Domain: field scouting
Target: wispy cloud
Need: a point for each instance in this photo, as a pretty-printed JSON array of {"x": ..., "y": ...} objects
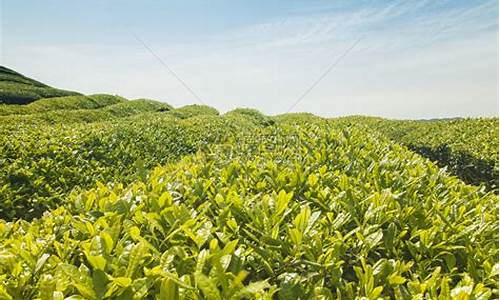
[{"x": 412, "y": 23}]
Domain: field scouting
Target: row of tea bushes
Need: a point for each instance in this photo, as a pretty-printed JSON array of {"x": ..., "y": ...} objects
[
  {"x": 467, "y": 147},
  {"x": 299, "y": 210}
]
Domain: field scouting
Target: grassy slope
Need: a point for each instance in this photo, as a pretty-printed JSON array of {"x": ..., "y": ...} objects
[{"x": 19, "y": 89}]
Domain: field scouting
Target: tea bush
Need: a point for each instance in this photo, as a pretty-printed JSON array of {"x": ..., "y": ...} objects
[
  {"x": 41, "y": 163},
  {"x": 467, "y": 147},
  {"x": 104, "y": 198},
  {"x": 61, "y": 104},
  {"x": 299, "y": 210},
  {"x": 109, "y": 112}
]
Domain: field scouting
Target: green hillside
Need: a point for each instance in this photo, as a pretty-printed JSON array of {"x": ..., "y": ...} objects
[
  {"x": 107, "y": 198},
  {"x": 16, "y": 88}
]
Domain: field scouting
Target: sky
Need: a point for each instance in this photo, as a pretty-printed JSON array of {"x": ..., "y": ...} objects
[{"x": 405, "y": 59}]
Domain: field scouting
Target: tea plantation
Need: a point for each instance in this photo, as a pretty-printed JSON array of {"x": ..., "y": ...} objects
[
  {"x": 107, "y": 198},
  {"x": 467, "y": 147}
]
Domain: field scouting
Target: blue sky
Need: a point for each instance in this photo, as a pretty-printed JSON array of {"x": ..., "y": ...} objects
[{"x": 415, "y": 59}]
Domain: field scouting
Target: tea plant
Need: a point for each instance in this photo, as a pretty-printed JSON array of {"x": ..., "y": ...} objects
[
  {"x": 41, "y": 164},
  {"x": 104, "y": 198},
  {"x": 467, "y": 147},
  {"x": 61, "y": 104},
  {"x": 67, "y": 115},
  {"x": 298, "y": 210}
]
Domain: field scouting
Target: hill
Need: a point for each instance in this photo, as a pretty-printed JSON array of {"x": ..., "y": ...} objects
[
  {"x": 197, "y": 205},
  {"x": 106, "y": 198},
  {"x": 16, "y": 88}
]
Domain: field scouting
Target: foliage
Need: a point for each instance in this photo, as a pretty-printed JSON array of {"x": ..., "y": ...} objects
[
  {"x": 18, "y": 89},
  {"x": 67, "y": 115},
  {"x": 41, "y": 164},
  {"x": 104, "y": 198},
  {"x": 61, "y": 104},
  {"x": 7, "y": 74},
  {"x": 309, "y": 210},
  {"x": 299, "y": 118},
  {"x": 166, "y": 107},
  {"x": 467, "y": 147},
  {"x": 192, "y": 110},
  {"x": 256, "y": 116}
]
